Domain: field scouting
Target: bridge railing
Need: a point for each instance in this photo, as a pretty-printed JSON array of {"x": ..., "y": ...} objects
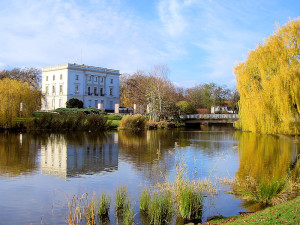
[{"x": 210, "y": 116}]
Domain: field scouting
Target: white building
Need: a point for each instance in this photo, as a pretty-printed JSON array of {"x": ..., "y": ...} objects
[{"x": 90, "y": 84}]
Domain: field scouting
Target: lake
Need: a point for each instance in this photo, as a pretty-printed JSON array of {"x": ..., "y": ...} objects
[{"x": 40, "y": 172}]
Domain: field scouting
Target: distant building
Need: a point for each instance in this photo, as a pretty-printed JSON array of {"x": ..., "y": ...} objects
[{"x": 90, "y": 84}]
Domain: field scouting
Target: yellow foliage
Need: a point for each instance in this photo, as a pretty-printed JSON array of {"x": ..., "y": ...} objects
[
  {"x": 263, "y": 157},
  {"x": 269, "y": 84},
  {"x": 12, "y": 93}
]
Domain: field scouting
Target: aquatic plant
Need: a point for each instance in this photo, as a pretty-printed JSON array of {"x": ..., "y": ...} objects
[
  {"x": 133, "y": 122},
  {"x": 161, "y": 208},
  {"x": 128, "y": 214},
  {"x": 103, "y": 205},
  {"x": 144, "y": 200},
  {"x": 190, "y": 201},
  {"x": 121, "y": 199}
]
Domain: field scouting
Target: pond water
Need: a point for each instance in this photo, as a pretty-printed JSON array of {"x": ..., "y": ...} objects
[{"x": 39, "y": 172}]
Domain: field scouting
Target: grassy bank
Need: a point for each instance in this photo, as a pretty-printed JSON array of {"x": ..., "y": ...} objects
[{"x": 284, "y": 213}]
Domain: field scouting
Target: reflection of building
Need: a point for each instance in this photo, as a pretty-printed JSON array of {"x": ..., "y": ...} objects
[{"x": 61, "y": 158}]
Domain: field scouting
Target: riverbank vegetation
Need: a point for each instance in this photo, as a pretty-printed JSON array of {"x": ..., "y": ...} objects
[
  {"x": 268, "y": 83},
  {"x": 285, "y": 213},
  {"x": 155, "y": 94}
]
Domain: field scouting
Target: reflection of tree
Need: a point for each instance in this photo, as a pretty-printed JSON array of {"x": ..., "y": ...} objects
[
  {"x": 210, "y": 140},
  {"x": 263, "y": 156},
  {"x": 148, "y": 151},
  {"x": 265, "y": 162},
  {"x": 18, "y": 154}
]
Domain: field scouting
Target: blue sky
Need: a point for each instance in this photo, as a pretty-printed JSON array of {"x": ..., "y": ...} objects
[{"x": 199, "y": 40}]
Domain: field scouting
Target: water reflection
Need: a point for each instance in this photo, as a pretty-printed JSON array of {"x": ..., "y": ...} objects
[
  {"x": 70, "y": 155},
  {"x": 18, "y": 154},
  {"x": 149, "y": 152},
  {"x": 265, "y": 158}
]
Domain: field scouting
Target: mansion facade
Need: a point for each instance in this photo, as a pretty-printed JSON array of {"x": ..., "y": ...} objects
[{"x": 92, "y": 85}]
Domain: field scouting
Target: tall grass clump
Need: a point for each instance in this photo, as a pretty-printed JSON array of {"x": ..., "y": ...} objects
[
  {"x": 96, "y": 122},
  {"x": 161, "y": 208},
  {"x": 266, "y": 191},
  {"x": 121, "y": 199},
  {"x": 128, "y": 214},
  {"x": 103, "y": 205},
  {"x": 133, "y": 122},
  {"x": 190, "y": 202},
  {"x": 144, "y": 200}
]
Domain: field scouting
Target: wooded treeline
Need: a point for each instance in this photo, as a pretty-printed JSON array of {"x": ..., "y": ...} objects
[{"x": 154, "y": 90}]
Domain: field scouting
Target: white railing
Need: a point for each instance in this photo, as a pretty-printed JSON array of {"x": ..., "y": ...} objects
[{"x": 210, "y": 116}]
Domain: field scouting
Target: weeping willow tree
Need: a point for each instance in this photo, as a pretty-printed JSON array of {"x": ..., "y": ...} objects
[
  {"x": 269, "y": 84},
  {"x": 12, "y": 94}
]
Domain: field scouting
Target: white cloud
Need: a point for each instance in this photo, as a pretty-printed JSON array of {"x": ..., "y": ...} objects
[{"x": 102, "y": 33}]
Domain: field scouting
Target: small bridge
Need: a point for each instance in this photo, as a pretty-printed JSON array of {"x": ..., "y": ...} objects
[{"x": 210, "y": 118}]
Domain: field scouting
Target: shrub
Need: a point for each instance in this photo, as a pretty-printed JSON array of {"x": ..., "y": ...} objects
[
  {"x": 96, "y": 122},
  {"x": 114, "y": 117},
  {"x": 133, "y": 122},
  {"x": 74, "y": 103},
  {"x": 186, "y": 107}
]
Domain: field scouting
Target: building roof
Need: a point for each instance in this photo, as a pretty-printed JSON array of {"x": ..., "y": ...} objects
[{"x": 83, "y": 67}]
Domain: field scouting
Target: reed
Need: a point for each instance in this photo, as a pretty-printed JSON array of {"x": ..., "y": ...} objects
[
  {"x": 133, "y": 122},
  {"x": 128, "y": 214},
  {"x": 161, "y": 208},
  {"x": 103, "y": 205},
  {"x": 121, "y": 199},
  {"x": 190, "y": 201},
  {"x": 144, "y": 200}
]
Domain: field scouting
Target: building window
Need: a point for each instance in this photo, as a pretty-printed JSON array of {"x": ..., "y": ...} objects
[
  {"x": 59, "y": 102},
  {"x": 110, "y": 91},
  {"x": 111, "y": 104},
  {"x": 101, "y": 79},
  {"x": 53, "y": 77},
  {"x": 77, "y": 77},
  {"x": 89, "y": 79},
  {"x": 60, "y": 89},
  {"x": 46, "y": 78},
  {"x": 46, "y": 104},
  {"x": 76, "y": 89},
  {"x": 111, "y": 81},
  {"x": 95, "y": 91},
  {"x": 90, "y": 103},
  {"x": 95, "y": 79},
  {"x": 60, "y": 76},
  {"x": 101, "y": 92},
  {"x": 53, "y": 89},
  {"x": 89, "y": 90},
  {"x": 53, "y": 102},
  {"x": 47, "y": 90},
  {"x": 96, "y": 103}
]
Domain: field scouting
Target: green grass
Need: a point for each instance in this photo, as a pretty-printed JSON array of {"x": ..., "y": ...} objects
[
  {"x": 128, "y": 214},
  {"x": 161, "y": 208},
  {"x": 103, "y": 205},
  {"x": 284, "y": 213},
  {"x": 190, "y": 202},
  {"x": 144, "y": 200},
  {"x": 121, "y": 199}
]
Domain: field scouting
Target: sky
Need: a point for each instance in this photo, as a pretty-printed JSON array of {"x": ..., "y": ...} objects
[{"x": 200, "y": 41}]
